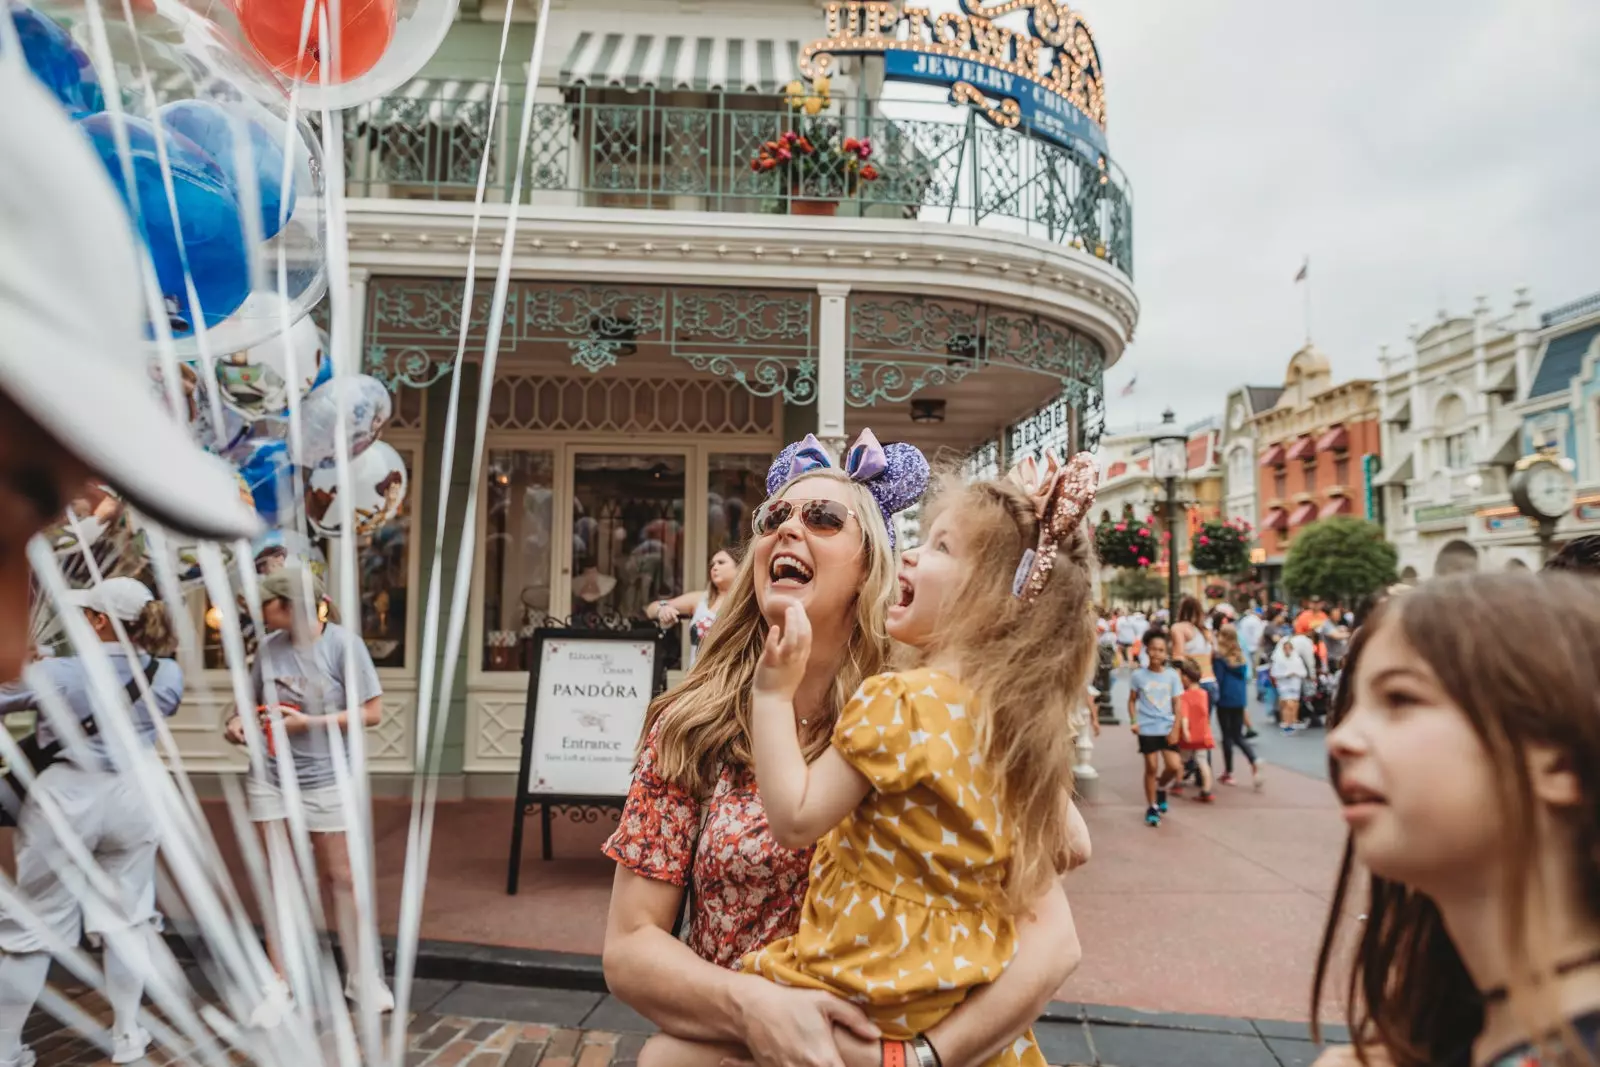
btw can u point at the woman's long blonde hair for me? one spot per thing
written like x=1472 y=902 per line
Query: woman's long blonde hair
x=1228 y=646
x=1028 y=665
x=703 y=723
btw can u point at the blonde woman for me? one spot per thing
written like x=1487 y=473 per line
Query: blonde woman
x=694 y=835
x=702 y=605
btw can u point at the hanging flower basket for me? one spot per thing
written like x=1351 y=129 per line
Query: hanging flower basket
x=1127 y=542
x=1222 y=547
x=814 y=166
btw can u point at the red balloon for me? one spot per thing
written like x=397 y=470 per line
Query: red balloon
x=364 y=29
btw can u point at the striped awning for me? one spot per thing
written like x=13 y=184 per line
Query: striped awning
x=432 y=101
x=666 y=61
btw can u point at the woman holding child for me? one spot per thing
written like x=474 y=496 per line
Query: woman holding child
x=805 y=623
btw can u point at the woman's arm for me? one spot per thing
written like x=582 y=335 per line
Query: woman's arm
x=664 y=980
x=683 y=604
x=296 y=721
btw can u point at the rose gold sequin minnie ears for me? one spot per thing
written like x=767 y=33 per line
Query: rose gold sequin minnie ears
x=1062 y=496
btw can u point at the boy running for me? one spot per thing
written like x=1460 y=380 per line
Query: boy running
x=1152 y=695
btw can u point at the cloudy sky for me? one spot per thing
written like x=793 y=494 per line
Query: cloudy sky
x=1420 y=152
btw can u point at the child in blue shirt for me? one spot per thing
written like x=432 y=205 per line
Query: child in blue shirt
x=1152 y=701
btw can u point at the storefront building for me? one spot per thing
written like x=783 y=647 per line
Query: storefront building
x=676 y=313
x=1313 y=461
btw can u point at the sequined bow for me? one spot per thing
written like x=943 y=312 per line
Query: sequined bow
x=1061 y=496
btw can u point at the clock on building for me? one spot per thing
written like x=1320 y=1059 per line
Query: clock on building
x=1543 y=489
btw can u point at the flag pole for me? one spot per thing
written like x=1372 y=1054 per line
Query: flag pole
x=1305 y=277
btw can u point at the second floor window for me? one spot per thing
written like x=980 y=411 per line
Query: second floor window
x=1311 y=476
x=1341 y=470
x=1280 y=484
x=1458 y=451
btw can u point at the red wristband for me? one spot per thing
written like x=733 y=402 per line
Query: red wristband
x=894 y=1054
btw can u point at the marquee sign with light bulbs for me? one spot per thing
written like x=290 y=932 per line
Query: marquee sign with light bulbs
x=1044 y=78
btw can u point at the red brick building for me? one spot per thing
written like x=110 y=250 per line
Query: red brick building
x=1312 y=445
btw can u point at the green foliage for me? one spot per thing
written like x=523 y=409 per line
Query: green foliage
x=1127 y=542
x=1340 y=559
x=1136 y=587
x=1221 y=547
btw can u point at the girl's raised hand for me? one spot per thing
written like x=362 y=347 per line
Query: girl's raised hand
x=783 y=660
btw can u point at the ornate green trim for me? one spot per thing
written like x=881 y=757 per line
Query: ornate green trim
x=762 y=341
x=901 y=345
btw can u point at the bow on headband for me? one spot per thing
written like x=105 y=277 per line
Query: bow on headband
x=1062 y=496
x=895 y=475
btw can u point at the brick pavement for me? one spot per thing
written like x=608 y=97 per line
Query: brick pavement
x=468 y=1024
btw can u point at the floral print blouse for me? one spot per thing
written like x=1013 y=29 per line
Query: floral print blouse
x=747 y=888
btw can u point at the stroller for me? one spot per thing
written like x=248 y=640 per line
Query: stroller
x=1317 y=700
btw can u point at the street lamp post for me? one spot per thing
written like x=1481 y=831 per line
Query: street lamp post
x=1169 y=460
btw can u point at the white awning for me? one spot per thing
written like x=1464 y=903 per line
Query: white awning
x=674 y=61
x=1396 y=475
x=1400 y=413
x=1506 y=384
x=432 y=101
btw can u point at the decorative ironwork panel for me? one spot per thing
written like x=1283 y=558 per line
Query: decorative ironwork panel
x=763 y=342
x=647 y=153
x=982 y=462
x=631 y=406
x=901 y=345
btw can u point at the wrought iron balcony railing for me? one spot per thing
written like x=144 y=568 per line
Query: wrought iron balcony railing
x=645 y=153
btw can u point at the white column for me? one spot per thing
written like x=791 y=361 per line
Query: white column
x=833 y=327
x=358 y=316
x=1526 y=325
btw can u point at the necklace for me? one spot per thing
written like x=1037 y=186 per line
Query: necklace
x=1588 y=959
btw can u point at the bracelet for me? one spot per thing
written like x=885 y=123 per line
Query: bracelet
x=896 y=1053
x=927 y=1055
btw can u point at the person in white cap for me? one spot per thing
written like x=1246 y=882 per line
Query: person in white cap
x=76 y=405
x=106 y=810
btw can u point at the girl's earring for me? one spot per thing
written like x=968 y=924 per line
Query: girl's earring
x=322 y=611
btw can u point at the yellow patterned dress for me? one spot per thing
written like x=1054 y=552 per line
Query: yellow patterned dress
x=904 y=914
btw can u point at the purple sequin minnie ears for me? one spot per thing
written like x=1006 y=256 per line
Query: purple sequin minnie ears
x=1062 y=496
x=896 y=476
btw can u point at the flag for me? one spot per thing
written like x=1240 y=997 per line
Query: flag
x=1127 y=390
x=1301 y=276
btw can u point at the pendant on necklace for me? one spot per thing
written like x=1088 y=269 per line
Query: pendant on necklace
x=805 y=722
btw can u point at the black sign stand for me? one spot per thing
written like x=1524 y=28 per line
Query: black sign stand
x=581 y=808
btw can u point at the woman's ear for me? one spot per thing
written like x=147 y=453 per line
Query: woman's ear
x=1554 y=781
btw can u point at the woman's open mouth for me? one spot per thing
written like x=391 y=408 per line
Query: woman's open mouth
x=789 y=572
x=908 y=593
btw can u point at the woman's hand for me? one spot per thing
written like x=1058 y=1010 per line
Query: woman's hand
x=783 y=660
x=666 y=615
x=233 y=732
x=786 y=1027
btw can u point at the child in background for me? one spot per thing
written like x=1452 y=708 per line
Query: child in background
x=1232 y=668
x=943 y=805
x=1152 y=715
x=1288 y=678
x=1194 y=725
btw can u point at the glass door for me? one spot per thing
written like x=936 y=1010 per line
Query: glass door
x=629 y=531
x=519 y=554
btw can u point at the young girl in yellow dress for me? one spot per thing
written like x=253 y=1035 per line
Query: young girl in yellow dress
x=943 y=803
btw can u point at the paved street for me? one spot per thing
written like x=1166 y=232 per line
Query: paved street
x=469 y=1024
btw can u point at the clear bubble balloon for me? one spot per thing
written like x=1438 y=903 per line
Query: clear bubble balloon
x=225 y=121
x=57 y=61
x=276 y=549
x=367 y=407
x=416 y=30
x=240 y=143
x=255 y=383
x=377 y=482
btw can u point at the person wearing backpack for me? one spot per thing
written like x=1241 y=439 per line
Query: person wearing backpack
x=104 y=806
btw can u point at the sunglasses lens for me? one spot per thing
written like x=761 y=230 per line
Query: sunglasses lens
x=771 y=515
x=824 y=516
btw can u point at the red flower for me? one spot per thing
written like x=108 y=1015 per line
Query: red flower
x=785 y=155
x=1165 y=538
x=1204 y=540
x=790 y=137
x=851 y=144
x=1144 y=531
x=865 y=150
x=768 y=164
x=1144 y=561
x=755 y=164
x=1122 y=527
x=869 y=173
x=805 y=145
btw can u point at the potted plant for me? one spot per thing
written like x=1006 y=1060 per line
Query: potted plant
x=815 y=166
x=1127 y=543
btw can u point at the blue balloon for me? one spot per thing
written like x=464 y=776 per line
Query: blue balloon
x=210 y=234
x=264 y=466
x=215 y=128
x=58 y=62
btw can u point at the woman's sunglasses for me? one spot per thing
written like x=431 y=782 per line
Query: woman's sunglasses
x=819 y=516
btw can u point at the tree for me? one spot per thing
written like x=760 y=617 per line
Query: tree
x=1340 y=559
x=1136 y=587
